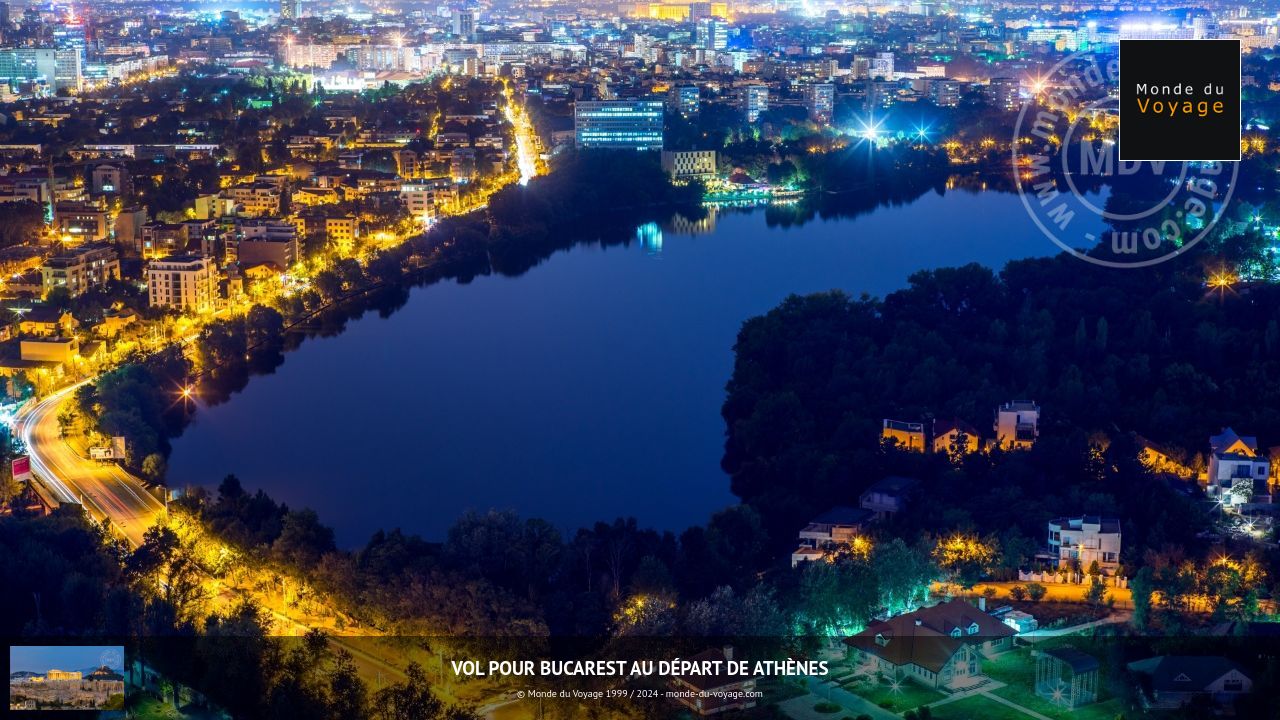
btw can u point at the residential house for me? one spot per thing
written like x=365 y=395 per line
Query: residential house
x=1237 y=471
x=1086 y=540
x=888 y=495
x=710 y=694
x=114 y=322
x=955 y=435
x=1171 y=681
x=47 y=321
x=841 y=526
x=1017 y=425
x=907 y=435
x=940 y=647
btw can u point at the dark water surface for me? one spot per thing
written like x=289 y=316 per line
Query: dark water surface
x=586 y=389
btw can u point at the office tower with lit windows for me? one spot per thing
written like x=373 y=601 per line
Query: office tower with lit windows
x=33 y=67
x=618 y=124
x=712 y=34
x=290 y=9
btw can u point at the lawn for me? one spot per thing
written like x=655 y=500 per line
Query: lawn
x=1017 y=668
x=909 y=695
x=977 y=707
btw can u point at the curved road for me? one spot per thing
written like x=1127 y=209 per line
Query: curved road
x=110 y=495
x=123 y=504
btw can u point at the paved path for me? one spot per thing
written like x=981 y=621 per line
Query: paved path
x=820 y=691
x=1016 y=706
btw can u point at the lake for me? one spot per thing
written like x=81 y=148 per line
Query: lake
x=586 y=389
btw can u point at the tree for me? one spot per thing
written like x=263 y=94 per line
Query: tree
x=303 y=540
x=349 y=698
x=1036 y=591
x=1141 y=587
x=1097 y=593
x=837 y=599
x=20 y=222
x=966 y=557
x=154 y=467
x=409 y=700
x=903 y=575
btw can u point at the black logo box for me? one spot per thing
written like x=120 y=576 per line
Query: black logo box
x=1181 y=137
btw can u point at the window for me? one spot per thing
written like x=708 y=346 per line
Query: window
x=1233 y=685
x=973 y=629
x=955 y=632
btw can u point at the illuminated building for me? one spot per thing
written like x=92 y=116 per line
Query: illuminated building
x=342 y=231
x=755 y=100
x=1082 y=541
x=62 y=675
x=713 y=34
x=882 y=65
x=944 y=92
x=938 y=647
x=79 y=221
x=35 y=67
x=69 y=69
x=838 y=527
x=690 y=164
x=79 y=270
x=182 y=282
x=679 y=12
x=110 y=180
x=618 y=124
x=1017 y=425
x=1237 y=471
x=684 y=100
x=820 y=101
x=264 y=241
x=290 y=9
x=907 y=435
x=463 y=24
x=1003 y=92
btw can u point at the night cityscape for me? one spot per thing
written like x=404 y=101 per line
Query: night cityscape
x=524 y=359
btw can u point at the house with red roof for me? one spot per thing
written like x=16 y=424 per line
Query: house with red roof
x=940 y=647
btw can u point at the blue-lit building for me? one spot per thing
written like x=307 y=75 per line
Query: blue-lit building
x=684 y=99
x=618 y=124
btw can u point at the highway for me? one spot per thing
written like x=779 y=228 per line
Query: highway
x=112 y=496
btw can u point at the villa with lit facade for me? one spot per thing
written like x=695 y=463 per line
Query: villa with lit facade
x=940 y=647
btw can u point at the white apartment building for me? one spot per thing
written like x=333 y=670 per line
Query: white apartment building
x=184 y=282
x=1086 y=539
x=1017 y=425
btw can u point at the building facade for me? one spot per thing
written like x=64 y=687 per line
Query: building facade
x=81 y=269
x=183 y=282
x=1082 y=541
x=618 y=124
